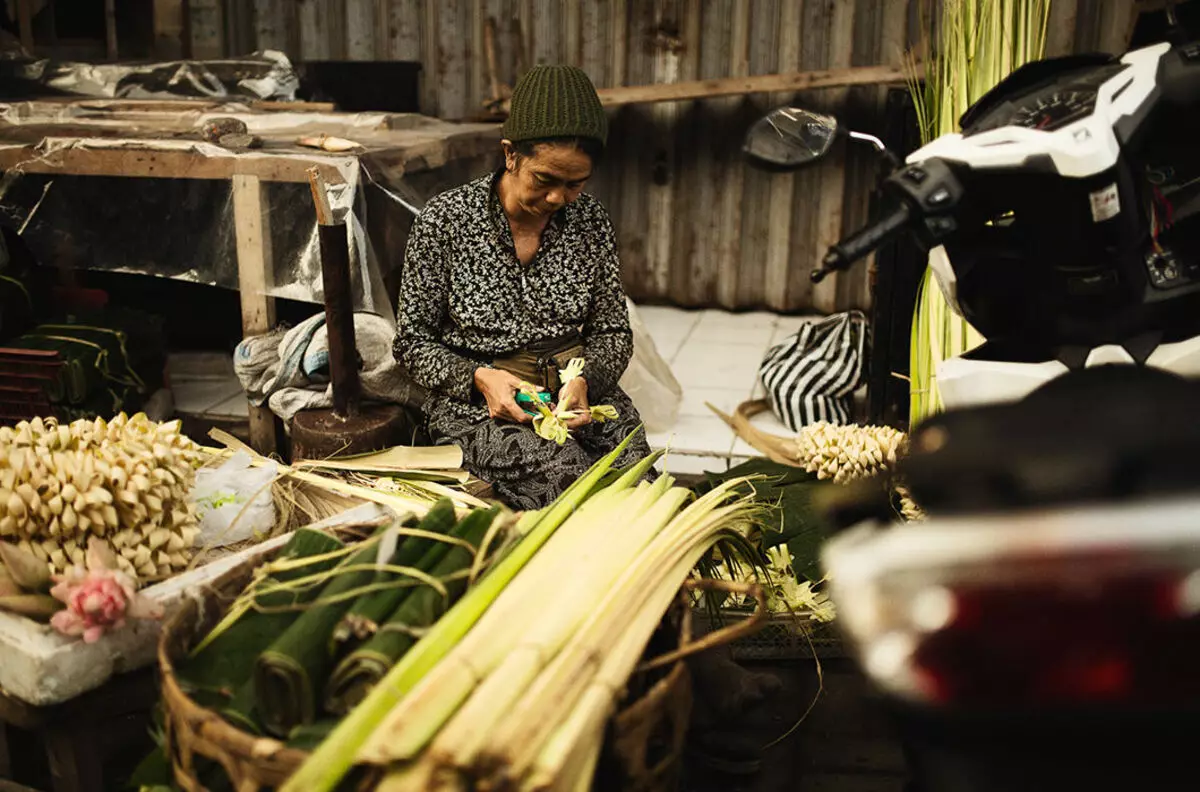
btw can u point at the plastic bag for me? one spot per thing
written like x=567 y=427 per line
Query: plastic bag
x=221 y=494
x=649 y=380
x=811 y=375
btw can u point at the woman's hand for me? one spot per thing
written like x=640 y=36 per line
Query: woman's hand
x=575 y=396
x=500 y=388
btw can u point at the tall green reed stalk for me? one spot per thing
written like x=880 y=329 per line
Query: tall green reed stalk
x=979 y=42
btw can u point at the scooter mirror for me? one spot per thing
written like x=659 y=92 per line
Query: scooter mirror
x=790 y=137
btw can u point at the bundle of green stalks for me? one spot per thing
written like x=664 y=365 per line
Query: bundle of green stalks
x=513 y=687
x=980 y=43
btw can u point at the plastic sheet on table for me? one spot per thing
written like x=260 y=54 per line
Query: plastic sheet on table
x=262 y=75
x=184 y=228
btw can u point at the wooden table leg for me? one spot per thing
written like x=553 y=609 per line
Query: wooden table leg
x=75 y=761
x=5 y=757
x=25 y=23
x=255 y=263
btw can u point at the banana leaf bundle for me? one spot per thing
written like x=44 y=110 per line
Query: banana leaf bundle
x=290 y=674
x=366 y=664
x=219 y=674
x=371 y=609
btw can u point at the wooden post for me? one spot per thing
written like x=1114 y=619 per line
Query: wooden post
x=339 y=304
x=51 y=24
x=5 y=757
x=110 y=28
x=25 y=23
x=255 y=263
x=75 y=761
x=168 y=29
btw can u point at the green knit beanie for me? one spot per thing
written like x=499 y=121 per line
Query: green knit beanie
x=555 y=101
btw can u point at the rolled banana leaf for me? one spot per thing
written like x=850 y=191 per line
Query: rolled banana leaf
x=363 y=668
x=290 y=675
x=373 y=608
x=221 y=675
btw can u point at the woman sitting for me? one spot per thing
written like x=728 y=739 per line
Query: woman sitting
x=508 y=278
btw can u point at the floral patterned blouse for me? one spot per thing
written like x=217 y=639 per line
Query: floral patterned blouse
x=466 y=299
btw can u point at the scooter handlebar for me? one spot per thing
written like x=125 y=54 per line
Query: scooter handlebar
x=863 y=242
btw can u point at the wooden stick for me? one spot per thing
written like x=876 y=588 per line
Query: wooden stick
x=280 y=106
x=763 y=83
x=489 y=48
x=316 y=183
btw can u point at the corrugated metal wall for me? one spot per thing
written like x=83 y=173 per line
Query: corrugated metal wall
x=697 y=226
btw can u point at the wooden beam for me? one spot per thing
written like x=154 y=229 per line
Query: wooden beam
x=763 y=83
x=155 y=164
x=255 y=263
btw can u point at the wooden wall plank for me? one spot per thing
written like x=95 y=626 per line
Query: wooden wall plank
x=546 y=26
x=596 y=28
x=270 y=30
x=700 y=169
x=572 y=34
x=765 y=33
x=689 y=135
x=335 y=30
x=403 y=28
x=779 y=251
x=1117 y=18
x=732 y=181
x=638 y=147
x=361 y=16
x=480 y=88
x=667 y=68
x=833 y=182
x=315 y=41
x=1060 y=32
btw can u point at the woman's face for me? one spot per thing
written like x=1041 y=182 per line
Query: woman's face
x=550 y=179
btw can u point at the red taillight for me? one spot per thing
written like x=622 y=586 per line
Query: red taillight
x=1074 y=638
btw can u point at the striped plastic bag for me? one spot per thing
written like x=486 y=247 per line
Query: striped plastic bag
x=811 y=376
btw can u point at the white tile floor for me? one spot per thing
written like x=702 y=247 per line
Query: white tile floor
x=715 y=356
x=203 y=383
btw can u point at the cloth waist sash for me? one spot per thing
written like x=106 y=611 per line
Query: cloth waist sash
x=539 y=363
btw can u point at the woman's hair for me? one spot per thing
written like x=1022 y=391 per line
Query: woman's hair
x=590 y=146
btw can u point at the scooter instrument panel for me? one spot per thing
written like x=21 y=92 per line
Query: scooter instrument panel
x=1050 y=106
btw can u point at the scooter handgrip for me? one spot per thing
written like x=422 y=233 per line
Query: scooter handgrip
x=863 y=242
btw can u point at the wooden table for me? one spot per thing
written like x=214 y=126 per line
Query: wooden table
x=81 y=734
x=163 y=140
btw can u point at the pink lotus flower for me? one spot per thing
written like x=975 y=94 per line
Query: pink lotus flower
x=98 y=598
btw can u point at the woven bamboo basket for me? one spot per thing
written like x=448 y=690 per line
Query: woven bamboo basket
x=780 y=636
x=644 y=744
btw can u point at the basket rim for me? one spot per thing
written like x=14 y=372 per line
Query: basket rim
x=267 y=760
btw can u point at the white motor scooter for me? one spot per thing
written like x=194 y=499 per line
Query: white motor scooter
x=1038 y=631
x=1060 y=222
